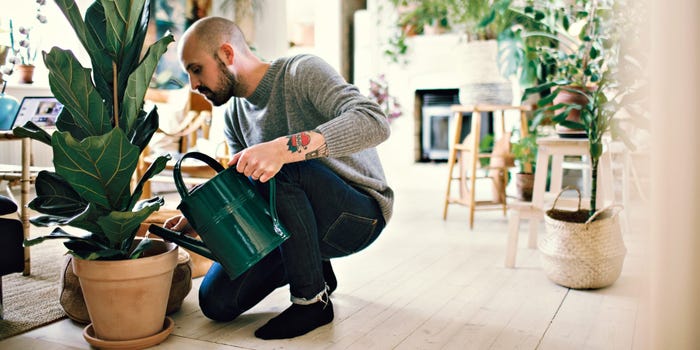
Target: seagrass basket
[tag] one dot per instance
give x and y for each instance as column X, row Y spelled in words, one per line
column 579, row 253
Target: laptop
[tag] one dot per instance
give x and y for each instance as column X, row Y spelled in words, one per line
column 42, row 110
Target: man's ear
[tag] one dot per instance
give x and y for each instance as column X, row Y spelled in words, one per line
column 227, row 53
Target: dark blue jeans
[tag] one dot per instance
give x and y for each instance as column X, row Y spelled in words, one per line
column 325, row 217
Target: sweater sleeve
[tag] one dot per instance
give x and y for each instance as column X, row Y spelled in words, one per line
column 354, row 122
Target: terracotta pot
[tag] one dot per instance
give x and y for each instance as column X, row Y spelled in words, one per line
column 25, row 73
column 127, row 299
column 73, row 303
column 524, row 182
column 566, row 96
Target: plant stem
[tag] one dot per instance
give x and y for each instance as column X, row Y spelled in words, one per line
column 591, row 20
column 594, row 185
column 116, row 101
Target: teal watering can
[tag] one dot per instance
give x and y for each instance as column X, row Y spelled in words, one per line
column 230, row 216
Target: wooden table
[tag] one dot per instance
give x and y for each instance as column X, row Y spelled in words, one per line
column 25, row 178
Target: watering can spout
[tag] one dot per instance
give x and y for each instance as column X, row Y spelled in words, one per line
column 182, row 240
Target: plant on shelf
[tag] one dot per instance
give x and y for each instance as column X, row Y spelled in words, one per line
column 526, row 44
column 590, row 46
column 414, row 17
column 24, row 46
column 590, row 65
column 98, row 137
column 525, row 153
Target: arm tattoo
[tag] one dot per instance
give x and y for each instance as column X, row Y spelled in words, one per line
column 320, row 152
column 298, row 142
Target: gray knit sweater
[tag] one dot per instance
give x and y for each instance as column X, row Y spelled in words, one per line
column 304, row 93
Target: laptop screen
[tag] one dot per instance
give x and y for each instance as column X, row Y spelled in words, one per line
column 43, row 111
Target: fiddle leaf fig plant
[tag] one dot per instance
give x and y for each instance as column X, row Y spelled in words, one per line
column 100, row 132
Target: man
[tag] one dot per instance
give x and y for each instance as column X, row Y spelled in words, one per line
column 297, row 120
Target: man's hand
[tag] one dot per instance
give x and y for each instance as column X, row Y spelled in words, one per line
column 264, row 160
column 260, row 162
column 180, row 224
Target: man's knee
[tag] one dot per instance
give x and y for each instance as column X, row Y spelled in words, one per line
column 214, row 307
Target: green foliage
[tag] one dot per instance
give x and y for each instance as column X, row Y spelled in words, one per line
column 101, row 132
column 525, row 151
column 594, row 63
column 464, row 16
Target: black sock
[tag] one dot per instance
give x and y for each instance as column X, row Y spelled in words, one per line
column 297, row 320
column 329, row 276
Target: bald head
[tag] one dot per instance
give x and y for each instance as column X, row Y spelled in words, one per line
column 208, row 34
column 218, row 61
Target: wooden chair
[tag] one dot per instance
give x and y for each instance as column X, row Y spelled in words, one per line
column 470, row 157
column 193, row 130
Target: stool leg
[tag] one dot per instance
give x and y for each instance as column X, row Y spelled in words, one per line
column 532, row 236
column 513, row 231
column 557, row 173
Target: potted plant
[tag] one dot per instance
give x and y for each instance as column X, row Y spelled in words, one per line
column 24, row 48
column 588, row 60
column 99, row 135
column 525, row 152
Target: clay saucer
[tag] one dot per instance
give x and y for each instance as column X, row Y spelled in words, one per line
column 168, row 326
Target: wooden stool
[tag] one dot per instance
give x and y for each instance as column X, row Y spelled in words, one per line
column 470, row 156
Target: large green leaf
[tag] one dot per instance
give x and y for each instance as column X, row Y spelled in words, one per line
column 32, row 131
column 72, row 85
column 99, row 167
column 101, row 63
column 155, row 168
column 146, row 125
column 511, row 52
column 136, row 26
column 138, row 83
column 86, row 220
column 55, row 196
column 101, row 60
column 119, row 226
column 122, row 19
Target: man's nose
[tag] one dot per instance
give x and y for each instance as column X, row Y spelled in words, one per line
column 194, row 84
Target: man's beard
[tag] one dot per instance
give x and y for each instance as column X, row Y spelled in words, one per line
column 227, row 86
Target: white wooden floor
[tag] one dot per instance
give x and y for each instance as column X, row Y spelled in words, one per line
column 428, row 284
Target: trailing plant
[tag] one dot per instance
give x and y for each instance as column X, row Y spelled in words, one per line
column 100, row 132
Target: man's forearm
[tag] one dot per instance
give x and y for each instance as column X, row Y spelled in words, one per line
column 306, row 145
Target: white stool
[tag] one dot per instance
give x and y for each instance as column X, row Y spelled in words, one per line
column 557, row 148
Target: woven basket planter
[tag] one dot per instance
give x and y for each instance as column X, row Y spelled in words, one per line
column 579, row 253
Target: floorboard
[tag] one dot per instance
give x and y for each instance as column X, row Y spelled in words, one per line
column 426, row 283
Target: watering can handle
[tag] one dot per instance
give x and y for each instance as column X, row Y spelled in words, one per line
column 182, row 188
column 177, row 170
